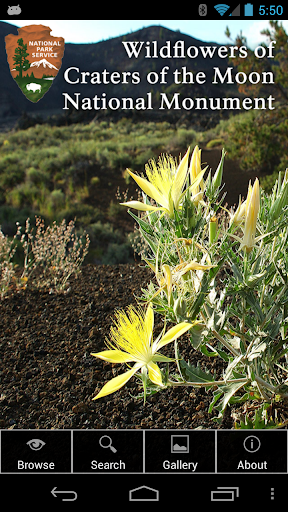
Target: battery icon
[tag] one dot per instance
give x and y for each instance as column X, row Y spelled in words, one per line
column 248, row 10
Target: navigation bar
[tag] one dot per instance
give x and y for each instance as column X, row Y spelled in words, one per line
column 143, row 451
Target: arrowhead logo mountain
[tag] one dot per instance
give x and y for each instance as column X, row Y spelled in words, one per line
column 34, row 58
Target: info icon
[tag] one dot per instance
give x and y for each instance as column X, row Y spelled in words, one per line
column 202, row 10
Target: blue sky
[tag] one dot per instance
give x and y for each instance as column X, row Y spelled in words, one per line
column 92, row 31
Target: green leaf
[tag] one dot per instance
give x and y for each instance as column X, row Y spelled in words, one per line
column 231, row 366
column 217, row 395
column 279, row 204
column 208, row 353
column 214, row 352
column 237, row 272
column 255, row 279
column 216, row 320
column 178, row 224
column 240, row 399
column 253, row 302
column 196, row 306
column 227, row 390
column 149, row 388
column 143, row 225
column 214, row 270
column 256, row 351
column 217, row 178
column 194, row 374
column 153, row 244
column 261, row 419
column 197, row 334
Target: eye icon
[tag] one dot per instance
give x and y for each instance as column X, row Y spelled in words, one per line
column 35, row 444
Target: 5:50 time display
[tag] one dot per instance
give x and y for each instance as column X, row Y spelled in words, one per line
column 271, row 10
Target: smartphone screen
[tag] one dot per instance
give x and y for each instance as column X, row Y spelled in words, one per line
column 143, row 256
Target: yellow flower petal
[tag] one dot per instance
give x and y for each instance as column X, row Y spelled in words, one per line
column 174, row 333
column 194, row 265
column 180, row 179
column 149, row 319
column 141, row 206
column 154, row 373
column 195, row 164
column 196, row 176
column 239, row 216
column 251, row 213
column 197, row 180
column 116, row 383
column 159, row 358
column 114, row 356
column 151, row 265
column 149, row 189
column 168, row 281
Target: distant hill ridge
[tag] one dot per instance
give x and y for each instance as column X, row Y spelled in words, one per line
column 111, row 55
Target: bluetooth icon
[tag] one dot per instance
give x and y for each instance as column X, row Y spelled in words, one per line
column 202, row 10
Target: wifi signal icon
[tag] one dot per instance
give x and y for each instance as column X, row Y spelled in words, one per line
column 221, row 8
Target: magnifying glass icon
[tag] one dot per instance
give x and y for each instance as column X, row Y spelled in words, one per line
column 106, row 442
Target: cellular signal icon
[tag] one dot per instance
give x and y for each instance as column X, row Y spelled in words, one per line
column 221, row 8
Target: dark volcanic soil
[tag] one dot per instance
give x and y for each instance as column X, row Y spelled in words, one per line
column 48, row 377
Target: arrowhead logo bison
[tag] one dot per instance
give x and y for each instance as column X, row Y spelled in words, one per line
column 34, row 58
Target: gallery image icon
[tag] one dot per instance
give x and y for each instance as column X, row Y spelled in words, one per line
column 106, row 442
column 179, row 443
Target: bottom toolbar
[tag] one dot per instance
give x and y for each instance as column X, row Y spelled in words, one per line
column 112, row 490
column 143, row 452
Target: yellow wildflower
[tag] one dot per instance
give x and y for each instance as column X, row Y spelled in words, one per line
column 132, row 341
column 249, row 210
column 197, row 186
column 165, row 184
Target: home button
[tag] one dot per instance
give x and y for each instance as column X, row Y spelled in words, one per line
column 143, row 493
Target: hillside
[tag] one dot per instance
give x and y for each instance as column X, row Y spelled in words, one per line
column 111, row 55
column 76, row 167
column 79, row 171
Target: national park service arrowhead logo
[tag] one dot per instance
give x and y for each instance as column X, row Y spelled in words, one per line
column 34, row 57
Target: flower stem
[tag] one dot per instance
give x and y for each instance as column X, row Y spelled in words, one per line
column 171, row 383
column 218, row 336
column 263, row 383
column 177, row 357
column 225, row 343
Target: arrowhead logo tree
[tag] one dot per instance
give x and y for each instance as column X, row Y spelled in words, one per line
column 34, row 58
column 21, row 63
